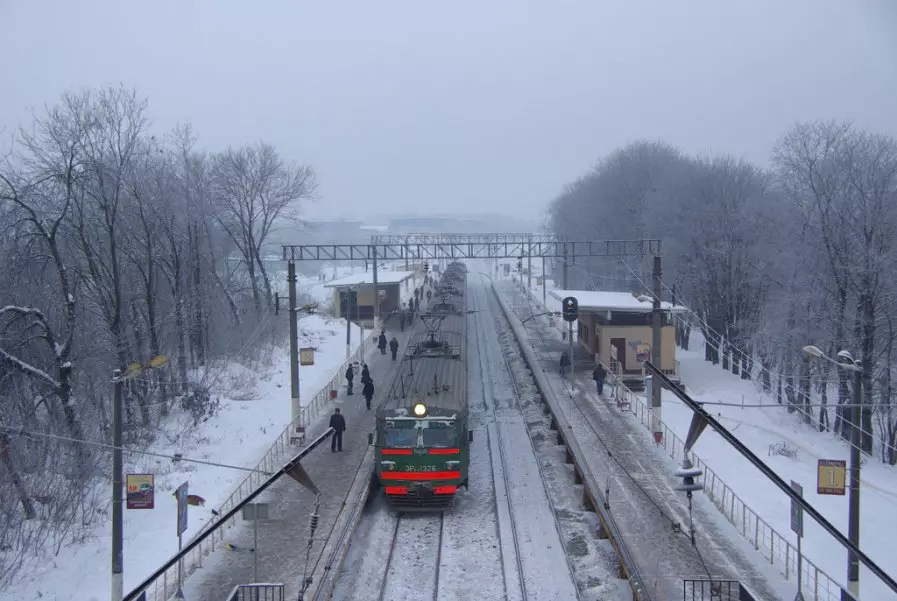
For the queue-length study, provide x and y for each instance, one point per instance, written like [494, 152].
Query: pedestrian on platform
[338, 423]
[381, 342]
[565, 363]
[350, 376]
[429, 294]
[598, 375]
[368, 392]
[365, 374]
[394, 347]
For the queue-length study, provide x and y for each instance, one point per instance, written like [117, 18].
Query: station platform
[642, 498]
[283, 539]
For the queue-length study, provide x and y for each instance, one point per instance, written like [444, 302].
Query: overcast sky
[462, 106]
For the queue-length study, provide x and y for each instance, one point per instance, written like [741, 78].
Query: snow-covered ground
[760, 427]
[254, 409]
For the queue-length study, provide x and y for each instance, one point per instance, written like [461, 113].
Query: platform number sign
[797, 512]
[571, 308]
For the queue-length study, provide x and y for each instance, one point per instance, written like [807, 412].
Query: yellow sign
[831, 477]
[157, 362]
[306, 356]
[141, 491]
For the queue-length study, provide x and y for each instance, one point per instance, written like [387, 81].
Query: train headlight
[419, 409]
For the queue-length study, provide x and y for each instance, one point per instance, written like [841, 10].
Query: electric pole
[853, 524]
[118, 583]
[656, 346]
[565, 268]
[376, 291]
[294, 342]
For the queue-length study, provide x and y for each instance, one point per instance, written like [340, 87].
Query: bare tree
[254, 189]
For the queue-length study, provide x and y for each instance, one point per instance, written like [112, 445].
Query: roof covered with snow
[600, 300]
[367, 278]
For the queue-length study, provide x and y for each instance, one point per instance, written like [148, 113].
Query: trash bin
[332, 394]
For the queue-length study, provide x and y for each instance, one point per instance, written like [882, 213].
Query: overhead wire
[23, 432]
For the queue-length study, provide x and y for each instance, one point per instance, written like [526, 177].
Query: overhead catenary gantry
[452, 247]
[422, 238]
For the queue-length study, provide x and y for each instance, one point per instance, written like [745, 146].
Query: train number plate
[422, 468]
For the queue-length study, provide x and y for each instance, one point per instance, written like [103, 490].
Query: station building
[353, 296]
[615, 329]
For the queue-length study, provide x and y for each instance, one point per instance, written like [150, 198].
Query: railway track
[506, 426]
[418, 539]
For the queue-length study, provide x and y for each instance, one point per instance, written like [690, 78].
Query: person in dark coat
[565, 362]
[381, 342]
[350, 376]
[429, 295]
[368, 392]
[598, 375]
[365, 374]
[394, 347]
[338, 423]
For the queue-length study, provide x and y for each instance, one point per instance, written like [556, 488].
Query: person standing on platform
[350, 376]
[598, 375]
[338, 423]
[381, 342]
[394, 347]
[368, 392]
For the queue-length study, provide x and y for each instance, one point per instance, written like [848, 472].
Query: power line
[22, 432]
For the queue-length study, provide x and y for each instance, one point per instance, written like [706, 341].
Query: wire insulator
[313, 523]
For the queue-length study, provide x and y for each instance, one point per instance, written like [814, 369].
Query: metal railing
[166, 585]
[257, 592]
[776, 549]
[714, 590]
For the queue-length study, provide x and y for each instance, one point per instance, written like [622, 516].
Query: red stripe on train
[396, 451]
[444, 451]
[420, 475]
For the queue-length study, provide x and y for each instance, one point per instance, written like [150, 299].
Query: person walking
[350, 376]
[368, 392]
[394, 347]
[365, 374]
[565, 363]
[381, 342]
[598, 375]
[338, 423]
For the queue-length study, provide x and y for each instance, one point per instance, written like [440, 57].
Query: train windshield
[439, 437]
[401, 437]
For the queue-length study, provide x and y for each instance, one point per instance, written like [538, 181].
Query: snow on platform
[367, 278]
[640, 488]
[254, 409]
[283, 540]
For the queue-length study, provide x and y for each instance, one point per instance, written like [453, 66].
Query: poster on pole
[141, 491]
[831, 477]
[181, 495]
[306, 356]
[797, 512]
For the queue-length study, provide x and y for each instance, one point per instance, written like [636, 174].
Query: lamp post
[847, 362]
[118, 378]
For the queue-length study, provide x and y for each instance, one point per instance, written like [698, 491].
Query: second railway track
[415, 554]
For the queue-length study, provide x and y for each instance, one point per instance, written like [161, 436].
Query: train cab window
[442, 437]
[401, 437]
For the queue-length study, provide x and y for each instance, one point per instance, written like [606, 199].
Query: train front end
[422, 456]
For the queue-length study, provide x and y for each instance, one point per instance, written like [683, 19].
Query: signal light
[419, 409]
[570, 308]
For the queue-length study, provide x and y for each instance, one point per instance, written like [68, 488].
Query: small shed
[615, 327]
[353, 296]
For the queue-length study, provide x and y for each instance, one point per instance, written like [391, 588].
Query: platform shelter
[615, 328]
[353, 296]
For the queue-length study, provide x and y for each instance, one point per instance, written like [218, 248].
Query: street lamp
[848, 363]
[118, 378]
